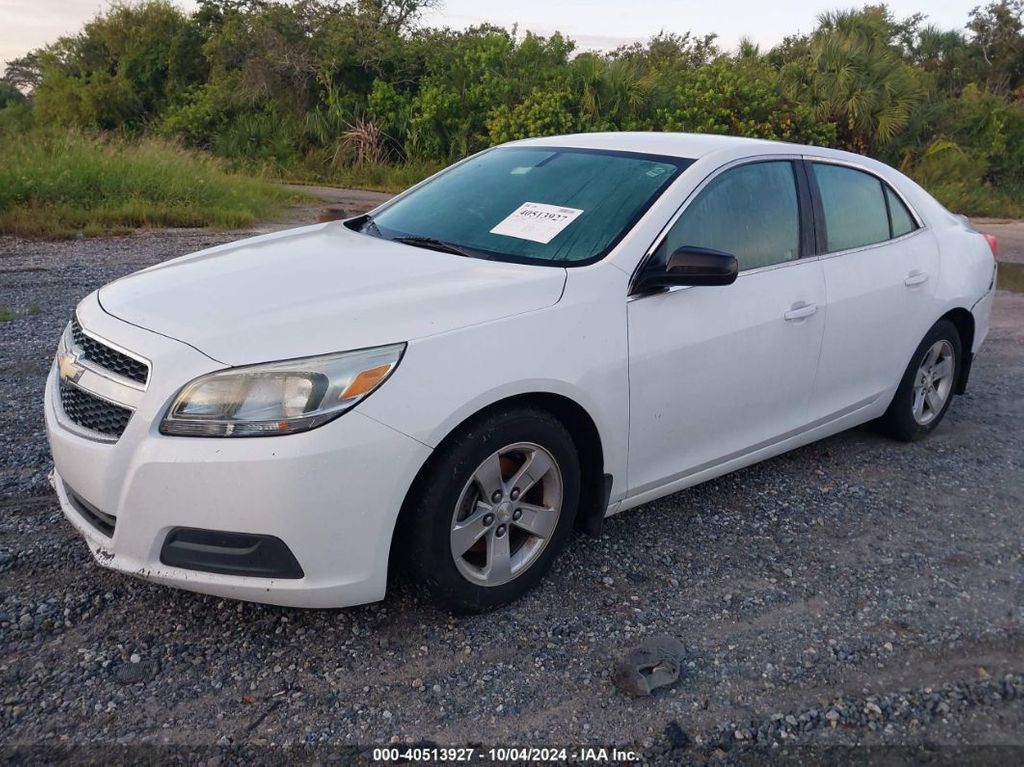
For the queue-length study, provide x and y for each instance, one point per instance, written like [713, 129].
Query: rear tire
[927, 387]
[482, 530]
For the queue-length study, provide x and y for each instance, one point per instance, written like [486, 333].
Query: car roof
[687, 145]
[695, 146]
[706, 146]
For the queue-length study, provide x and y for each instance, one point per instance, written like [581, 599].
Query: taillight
[993, 243]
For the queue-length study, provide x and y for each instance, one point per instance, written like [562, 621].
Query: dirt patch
[328, 203]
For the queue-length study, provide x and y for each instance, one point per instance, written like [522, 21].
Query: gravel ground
[854, 592]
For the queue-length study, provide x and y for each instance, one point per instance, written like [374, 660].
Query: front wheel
[494, 510]
[927, 387]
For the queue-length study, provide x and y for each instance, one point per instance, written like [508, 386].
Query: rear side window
[854, 204]
[902, 222]
[750, 212]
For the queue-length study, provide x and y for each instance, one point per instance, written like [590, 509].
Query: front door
[717, 372]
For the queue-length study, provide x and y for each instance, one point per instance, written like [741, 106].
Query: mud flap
[590, 519]
[965, 372]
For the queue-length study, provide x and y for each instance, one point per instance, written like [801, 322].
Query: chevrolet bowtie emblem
[70, 370]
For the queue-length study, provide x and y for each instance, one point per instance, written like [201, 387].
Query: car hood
[321, 289]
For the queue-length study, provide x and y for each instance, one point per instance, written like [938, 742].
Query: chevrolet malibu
[547, 333]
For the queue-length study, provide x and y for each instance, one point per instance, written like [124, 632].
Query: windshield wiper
[435, 244]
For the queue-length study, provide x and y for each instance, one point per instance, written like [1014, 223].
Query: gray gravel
[856, 591]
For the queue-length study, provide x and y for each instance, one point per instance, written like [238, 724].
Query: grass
[1011, 277]
[60, 186]
[7, 314]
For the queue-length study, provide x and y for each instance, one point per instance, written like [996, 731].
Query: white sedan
[544, 334]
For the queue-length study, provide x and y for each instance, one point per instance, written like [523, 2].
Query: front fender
[575, 349]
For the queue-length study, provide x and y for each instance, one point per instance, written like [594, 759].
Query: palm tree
[857, 78]
[748, 50]
[613, 92]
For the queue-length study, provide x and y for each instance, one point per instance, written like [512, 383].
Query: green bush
[541, 113]
[743, 98]
[10, 96]
[992, 126]
[956, 176]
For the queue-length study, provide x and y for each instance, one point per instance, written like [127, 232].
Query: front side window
[532, 204]
[854, 205]
[750, 212]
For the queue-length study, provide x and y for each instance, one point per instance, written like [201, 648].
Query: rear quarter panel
[967, 275]
[967, 268]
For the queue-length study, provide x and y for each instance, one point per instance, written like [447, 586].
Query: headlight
[278, 397]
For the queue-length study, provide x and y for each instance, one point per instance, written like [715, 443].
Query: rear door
[717, 372]
[880, 268]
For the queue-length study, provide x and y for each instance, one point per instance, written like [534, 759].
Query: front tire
[927, 387]
[494, 510]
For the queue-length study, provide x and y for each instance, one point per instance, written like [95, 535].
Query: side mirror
[690, 265]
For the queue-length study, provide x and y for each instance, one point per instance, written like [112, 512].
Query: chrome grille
[107, 358]
[92, 412]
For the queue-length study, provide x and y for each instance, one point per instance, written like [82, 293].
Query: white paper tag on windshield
[537, 222]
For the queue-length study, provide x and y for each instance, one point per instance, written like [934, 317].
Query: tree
[996, 31]
[122, 70]
[396, 16]
[24, 72]
[855, 75]
[946, 55]
[10, 96]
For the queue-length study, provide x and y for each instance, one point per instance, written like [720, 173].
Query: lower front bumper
[220, 551]
[331, 495]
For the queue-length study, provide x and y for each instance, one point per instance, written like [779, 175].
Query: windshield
[531, 204]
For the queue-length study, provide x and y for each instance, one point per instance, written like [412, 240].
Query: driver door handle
[915, 278]
[800, 311]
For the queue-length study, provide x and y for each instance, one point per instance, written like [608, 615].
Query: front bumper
[332, 495]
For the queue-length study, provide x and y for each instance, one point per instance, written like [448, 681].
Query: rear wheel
[927, 387]
[494, 511]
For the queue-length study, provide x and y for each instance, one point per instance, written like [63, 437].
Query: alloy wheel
[933, 382]
[506, 514]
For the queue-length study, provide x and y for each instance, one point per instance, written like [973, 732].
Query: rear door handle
[915, 278]
[800, 311]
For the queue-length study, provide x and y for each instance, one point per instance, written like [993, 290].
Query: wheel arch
[595, 487]
[963, 321]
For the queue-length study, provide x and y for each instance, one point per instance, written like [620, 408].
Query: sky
[594, 24]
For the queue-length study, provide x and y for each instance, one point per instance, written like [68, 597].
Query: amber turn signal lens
[365, 382]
